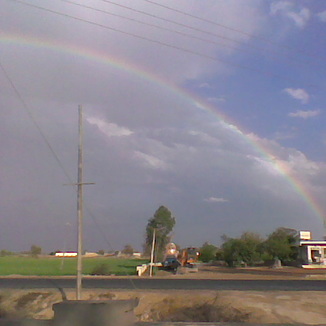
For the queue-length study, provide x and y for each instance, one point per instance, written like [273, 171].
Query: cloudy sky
[215, 109]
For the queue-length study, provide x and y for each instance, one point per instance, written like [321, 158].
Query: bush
[35, 251]
[282, 244]
[245, 250]
[4, 253]
[207, 252]
[102, 269]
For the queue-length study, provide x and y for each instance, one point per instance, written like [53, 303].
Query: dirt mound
[183, 306]
[177, 310]
[27, 304]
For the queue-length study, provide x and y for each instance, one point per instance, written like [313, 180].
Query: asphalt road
[166, 284]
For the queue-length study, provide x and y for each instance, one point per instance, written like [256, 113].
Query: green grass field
[55, 266]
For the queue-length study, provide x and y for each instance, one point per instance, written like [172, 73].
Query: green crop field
[55, 266]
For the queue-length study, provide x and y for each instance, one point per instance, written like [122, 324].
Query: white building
[312, 252]
[66, 254]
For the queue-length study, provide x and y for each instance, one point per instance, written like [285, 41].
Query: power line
[34, 121]
[260, 38]
[115, 30]
[241, 43]
[202, 55]
[288, 48]
[145, 24]
[248, 48]
[174, 22]
[204, 20]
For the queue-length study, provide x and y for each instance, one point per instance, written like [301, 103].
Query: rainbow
[129, 68]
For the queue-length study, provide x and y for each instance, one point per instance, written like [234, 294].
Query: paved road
[167, 284]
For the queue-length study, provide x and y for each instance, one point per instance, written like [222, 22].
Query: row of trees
[248, 249]
[251, 248]
[34, 252]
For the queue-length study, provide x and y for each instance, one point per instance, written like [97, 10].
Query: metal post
[152, 254]
[80, 204]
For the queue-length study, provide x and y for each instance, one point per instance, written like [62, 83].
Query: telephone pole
[80, 185]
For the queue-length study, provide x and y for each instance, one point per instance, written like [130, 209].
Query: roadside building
[312, 252]
[91, 254]
[137, 254]
[66, 254]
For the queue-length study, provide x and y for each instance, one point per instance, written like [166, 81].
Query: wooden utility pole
[80, 185]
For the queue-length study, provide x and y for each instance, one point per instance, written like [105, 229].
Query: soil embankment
[204, 306]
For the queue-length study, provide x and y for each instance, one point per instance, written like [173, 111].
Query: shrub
[102, 269]
[207, 252]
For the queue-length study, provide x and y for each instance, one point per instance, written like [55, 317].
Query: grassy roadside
[54, 266]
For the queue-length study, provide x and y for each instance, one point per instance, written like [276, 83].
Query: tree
[251, 247]
[162, 222]
[282, 244]
[4, 253]
[35, 250]
[207, 252]
[246, 249]
[128, 250]
[232, 251]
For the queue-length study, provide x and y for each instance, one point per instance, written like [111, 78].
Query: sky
[214, 109]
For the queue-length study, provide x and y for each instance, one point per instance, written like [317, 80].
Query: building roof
[313, 242]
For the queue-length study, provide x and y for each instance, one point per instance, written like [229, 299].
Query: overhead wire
[145, 24]
[288, 48]
[166, 20]
[34, 121]
[175, 47]
[200, 18]
[245, 47]
[251, 35]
